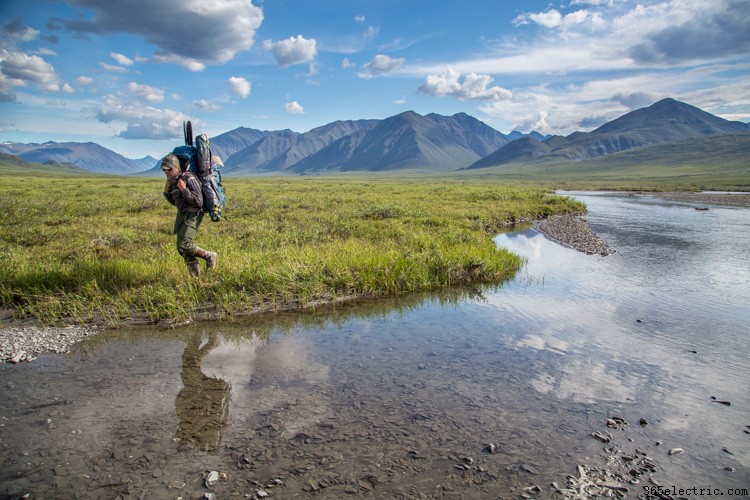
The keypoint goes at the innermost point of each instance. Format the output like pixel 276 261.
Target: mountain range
pixel 407 141
pixel 663 122
pixel 87 156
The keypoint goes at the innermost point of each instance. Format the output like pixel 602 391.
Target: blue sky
pixel 125 74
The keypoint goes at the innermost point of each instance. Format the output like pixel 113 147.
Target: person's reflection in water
pixel 203 403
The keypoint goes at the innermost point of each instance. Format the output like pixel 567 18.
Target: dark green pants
pixel 186 227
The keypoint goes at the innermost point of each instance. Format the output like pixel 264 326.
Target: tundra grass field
pixel 84 248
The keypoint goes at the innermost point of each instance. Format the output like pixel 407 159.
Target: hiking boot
pixel 195 268
pixel 211 258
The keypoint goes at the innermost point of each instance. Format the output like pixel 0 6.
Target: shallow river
pixel 401 398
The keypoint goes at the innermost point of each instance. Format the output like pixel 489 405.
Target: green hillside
pixel 713 162
pixel 13 165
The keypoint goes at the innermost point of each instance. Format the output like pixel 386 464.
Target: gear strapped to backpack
pixel 196 157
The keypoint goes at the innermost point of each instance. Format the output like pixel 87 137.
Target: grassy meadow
pixel 100 248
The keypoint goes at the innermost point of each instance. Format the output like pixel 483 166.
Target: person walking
pixel 183 190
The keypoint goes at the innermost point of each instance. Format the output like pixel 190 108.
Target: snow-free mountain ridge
pixel 406 141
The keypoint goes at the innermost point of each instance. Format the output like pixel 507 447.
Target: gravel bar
pixel 26 343
pixel 573 232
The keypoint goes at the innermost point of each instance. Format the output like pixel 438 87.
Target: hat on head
pixel 217 160
pixel 169 162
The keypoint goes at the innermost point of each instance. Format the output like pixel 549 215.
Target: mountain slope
pixel 521 150
pixel 234 141
pixel 255 158
pixel 665 121
pixel 278 151
pixel 697 162
pixel 672 120
pixel 408 141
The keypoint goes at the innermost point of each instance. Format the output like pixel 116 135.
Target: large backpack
pixel 197 158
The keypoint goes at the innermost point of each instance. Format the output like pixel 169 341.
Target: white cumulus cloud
pixel 380 65
pixel 113 68
pixel 293 50
pixel 146 92
pixel 121 59
pixel 205 105
pixel 473 87
pixel 294 108
pixel 142 122
pixel 240 87
pixel 19 69
pixel 188 63
pixel 554 19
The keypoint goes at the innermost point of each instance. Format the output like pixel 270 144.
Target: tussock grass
pixel 92 248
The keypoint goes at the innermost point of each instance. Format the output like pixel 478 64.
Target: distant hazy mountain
pixel 13 165
pixel 408 141
pixel 520 150
pixel 665 121
pixel 517 135
pixel 147 162
pixel 89 156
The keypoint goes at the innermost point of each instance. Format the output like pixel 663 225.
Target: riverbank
pixel 24 340
pixel 106 256
pixel 709 198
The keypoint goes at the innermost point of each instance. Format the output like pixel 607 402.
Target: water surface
pixel 400 398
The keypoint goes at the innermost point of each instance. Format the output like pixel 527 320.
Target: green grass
pixel 93 248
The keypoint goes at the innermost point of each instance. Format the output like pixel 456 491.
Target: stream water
pixel 401 398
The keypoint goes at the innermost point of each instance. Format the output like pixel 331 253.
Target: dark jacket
pixel 189 200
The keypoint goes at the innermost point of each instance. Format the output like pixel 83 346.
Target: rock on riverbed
pixel 26 343
pixel 573 232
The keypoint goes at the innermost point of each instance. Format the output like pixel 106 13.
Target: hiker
pixel 183 190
